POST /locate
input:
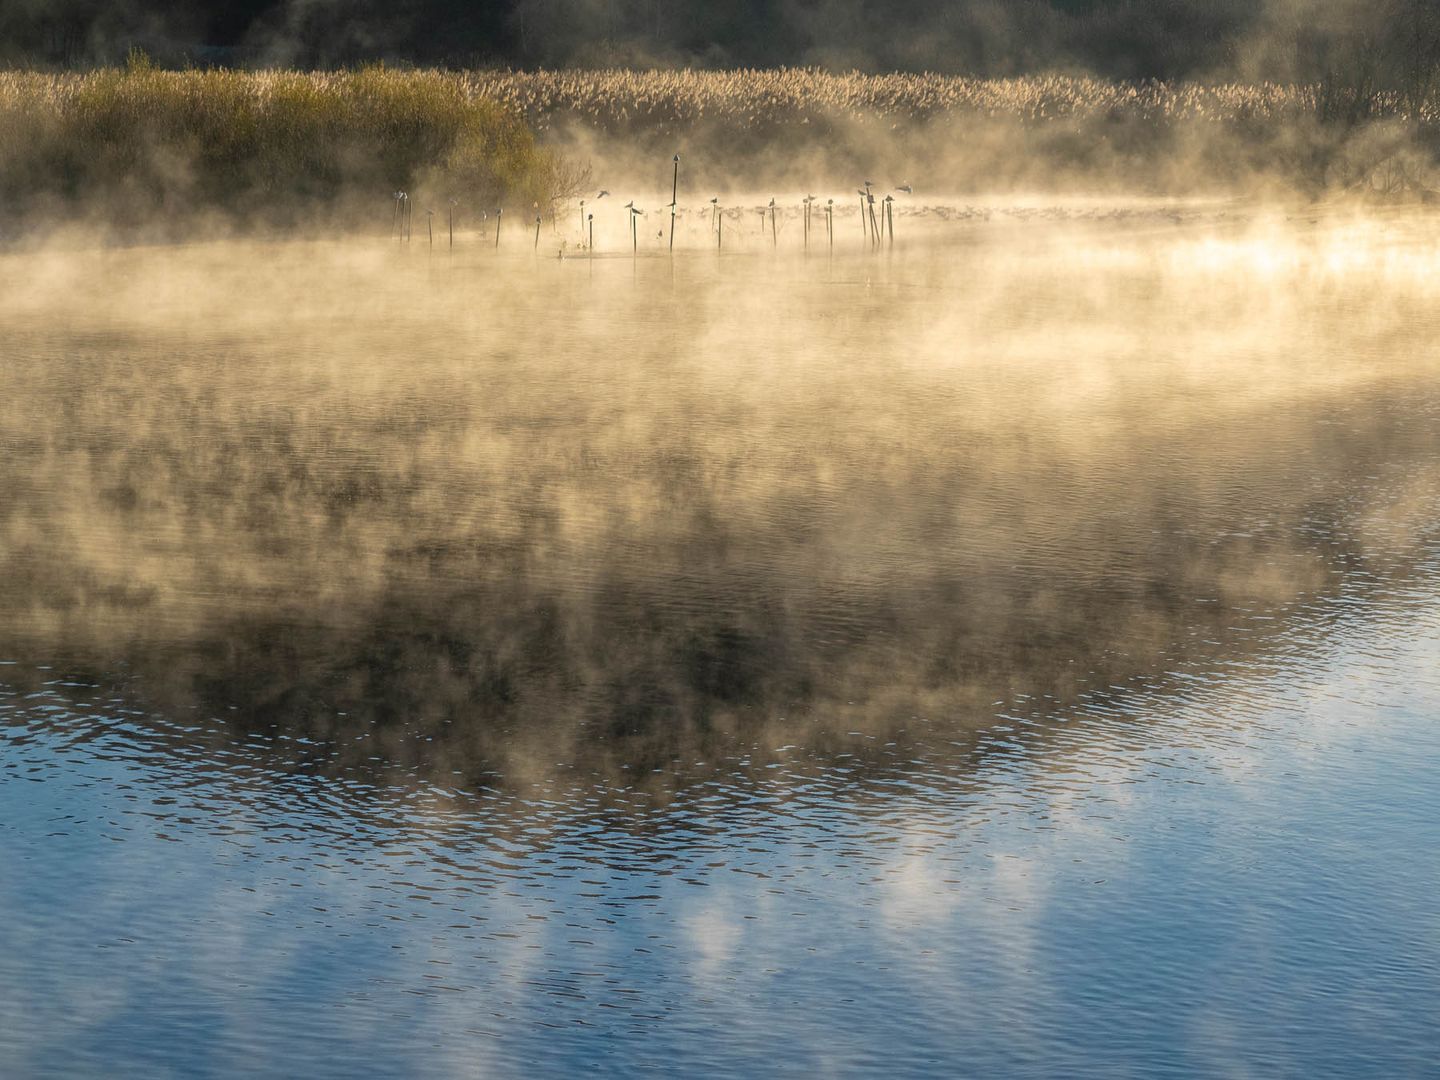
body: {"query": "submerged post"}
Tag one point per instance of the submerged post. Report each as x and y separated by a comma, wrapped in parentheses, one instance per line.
(499, 213)
(591, 221)
(674, 194)
(537, 232)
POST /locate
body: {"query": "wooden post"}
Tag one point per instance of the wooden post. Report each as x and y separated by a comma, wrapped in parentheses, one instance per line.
(674, 194)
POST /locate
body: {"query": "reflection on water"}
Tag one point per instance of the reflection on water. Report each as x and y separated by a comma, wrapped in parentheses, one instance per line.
(632, 659)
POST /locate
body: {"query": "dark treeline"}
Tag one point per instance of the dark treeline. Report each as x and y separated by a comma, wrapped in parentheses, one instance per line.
(1118, 38)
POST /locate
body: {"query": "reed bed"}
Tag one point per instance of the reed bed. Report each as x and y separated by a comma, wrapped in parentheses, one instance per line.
(1034, 131)
(140, 144)
(671, 101)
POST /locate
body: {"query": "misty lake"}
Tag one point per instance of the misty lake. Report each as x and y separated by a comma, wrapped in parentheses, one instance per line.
(1013, 653)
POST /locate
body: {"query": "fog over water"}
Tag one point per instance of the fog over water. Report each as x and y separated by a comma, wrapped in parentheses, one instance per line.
(1012, 646)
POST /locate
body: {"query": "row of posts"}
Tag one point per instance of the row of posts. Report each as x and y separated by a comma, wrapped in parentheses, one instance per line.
(876, 231)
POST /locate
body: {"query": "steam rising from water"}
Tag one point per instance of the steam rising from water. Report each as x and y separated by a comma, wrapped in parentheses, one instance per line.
(1014, 646)
(503, 518)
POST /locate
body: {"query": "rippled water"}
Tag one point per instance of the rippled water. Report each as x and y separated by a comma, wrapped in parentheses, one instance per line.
(1013, 654)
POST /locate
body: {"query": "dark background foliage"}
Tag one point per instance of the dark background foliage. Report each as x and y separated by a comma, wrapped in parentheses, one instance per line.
(1121, 38)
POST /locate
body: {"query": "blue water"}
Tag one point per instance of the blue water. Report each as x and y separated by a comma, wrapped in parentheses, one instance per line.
(1110, 755)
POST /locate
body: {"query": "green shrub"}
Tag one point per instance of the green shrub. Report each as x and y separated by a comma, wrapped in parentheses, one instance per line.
(264, 147)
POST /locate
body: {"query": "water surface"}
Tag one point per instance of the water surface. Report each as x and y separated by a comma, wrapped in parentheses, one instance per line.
(1013, 653)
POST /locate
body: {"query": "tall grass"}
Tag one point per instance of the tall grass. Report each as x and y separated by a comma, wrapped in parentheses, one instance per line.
(139, 144)
(1034, 130)
(670, 101)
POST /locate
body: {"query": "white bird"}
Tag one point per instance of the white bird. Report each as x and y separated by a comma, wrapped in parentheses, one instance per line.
(906, 188)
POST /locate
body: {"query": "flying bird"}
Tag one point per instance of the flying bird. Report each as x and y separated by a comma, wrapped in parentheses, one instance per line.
(906, 188)
(602, 194)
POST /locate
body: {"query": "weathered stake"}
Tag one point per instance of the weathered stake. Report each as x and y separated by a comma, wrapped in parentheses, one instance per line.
(674, 195)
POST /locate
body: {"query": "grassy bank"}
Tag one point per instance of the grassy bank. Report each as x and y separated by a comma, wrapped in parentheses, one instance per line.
(145, 148)
(150, 148)
(965, 134)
